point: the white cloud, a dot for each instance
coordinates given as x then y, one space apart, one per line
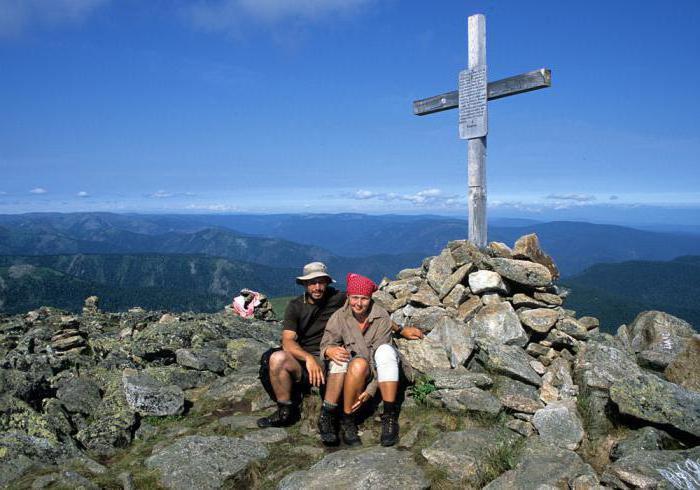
16 16
614 198
3 193
232 15
571 197
161 194
38 190
427 197
214 207
362 195
83 194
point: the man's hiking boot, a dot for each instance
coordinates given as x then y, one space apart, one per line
390 429
328 427
285 416
348 431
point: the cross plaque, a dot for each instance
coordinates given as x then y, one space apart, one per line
471 99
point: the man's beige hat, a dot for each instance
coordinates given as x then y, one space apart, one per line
312 271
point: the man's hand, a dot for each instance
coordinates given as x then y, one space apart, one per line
362 398
412 333
315 371
338 354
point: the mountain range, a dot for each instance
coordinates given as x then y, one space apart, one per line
156 254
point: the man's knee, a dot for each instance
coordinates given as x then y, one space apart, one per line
358 367
278 361
387 361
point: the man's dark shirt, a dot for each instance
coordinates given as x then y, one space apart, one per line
309 320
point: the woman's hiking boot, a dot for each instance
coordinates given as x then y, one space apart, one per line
348 431
390 424
285 415
390 429
328 426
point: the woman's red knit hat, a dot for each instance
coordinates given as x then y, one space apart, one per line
359 285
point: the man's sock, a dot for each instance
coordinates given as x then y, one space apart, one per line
390 408
329 407
284 403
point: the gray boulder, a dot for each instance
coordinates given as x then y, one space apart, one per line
522 271
647 397
644 439
486 282
498 323
471 400
21 453
360 469
469 308
658 331
111 425
455 379
517 396
539 319
232 388
423 355
205 462
461 454
456 297
510 361
543 466
657 469
79 395
201 359
267 436
559 424
440 270
521 300
598 365
425 296
573 328
426 318
244 354
684 370
148 396
528 247
456 338
455 279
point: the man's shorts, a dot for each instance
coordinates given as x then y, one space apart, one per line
301 386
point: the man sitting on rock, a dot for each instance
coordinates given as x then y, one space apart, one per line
289 372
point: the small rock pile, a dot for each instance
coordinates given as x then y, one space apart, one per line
263 311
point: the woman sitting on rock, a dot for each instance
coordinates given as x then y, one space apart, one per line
357 344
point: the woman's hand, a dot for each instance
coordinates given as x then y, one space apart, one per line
362 398
338 354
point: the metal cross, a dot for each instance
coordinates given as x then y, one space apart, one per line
471 98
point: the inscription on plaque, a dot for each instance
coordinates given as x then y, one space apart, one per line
473 121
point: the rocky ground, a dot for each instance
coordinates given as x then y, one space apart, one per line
508 390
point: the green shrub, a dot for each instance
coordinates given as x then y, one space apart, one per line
423 387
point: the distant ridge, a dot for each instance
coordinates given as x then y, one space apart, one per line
616 293
576 245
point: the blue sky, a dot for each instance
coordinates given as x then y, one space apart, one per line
305 106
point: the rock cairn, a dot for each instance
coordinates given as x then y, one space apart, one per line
510 390
499 342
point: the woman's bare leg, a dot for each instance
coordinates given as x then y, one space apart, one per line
355 382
